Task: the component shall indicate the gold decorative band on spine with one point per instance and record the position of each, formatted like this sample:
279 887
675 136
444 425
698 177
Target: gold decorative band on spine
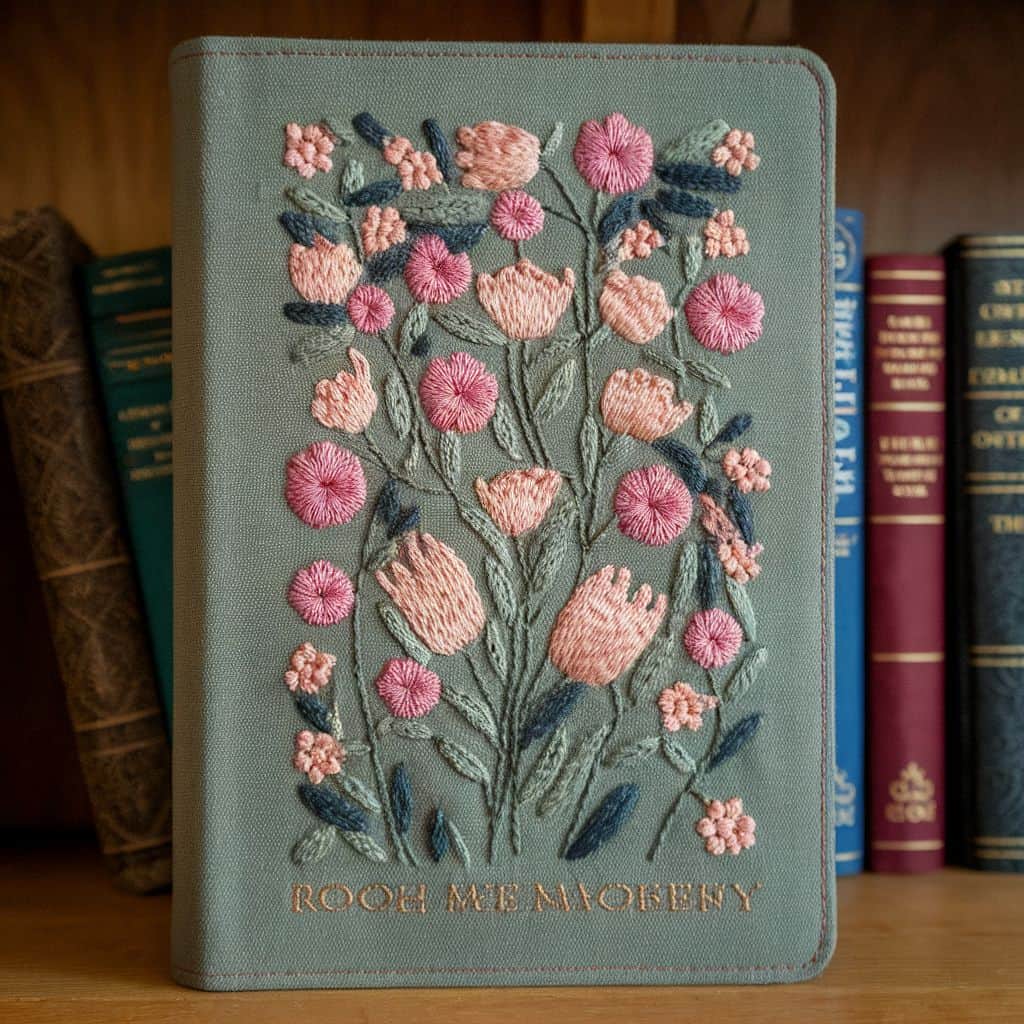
845 858
994 475
848 521
994 489
997 662
990 240
142 844
908 300
77 570
127 748
906 407
991 254
848 286
105 723
910 520
911 845
907 275
997 648
116 287
34 374
998 840
999 854
992 396
909 657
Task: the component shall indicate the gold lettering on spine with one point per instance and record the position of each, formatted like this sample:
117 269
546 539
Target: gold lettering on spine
621 887
505 901
456 901
302 895
325 892
542 898
711 896
412 903
648 897
679 896
366 895
745 896
584 896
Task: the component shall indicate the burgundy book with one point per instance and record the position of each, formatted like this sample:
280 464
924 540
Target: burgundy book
906 428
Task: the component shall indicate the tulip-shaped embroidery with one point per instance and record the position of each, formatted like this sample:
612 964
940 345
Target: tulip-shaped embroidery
434 590
524 301
635 308
642 405
496 156
323 272
347 402
518 499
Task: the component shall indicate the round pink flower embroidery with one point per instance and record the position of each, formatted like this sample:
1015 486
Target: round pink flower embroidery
724 237
322 594
309 670
370 309
712 638
408 688
653 505
747 470
725 314
434 274
318 755
325 485
516 215
726 828
458 393
736 153
306 148
614 155
681 707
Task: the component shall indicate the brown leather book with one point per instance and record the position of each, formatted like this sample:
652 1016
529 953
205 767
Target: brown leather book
69 491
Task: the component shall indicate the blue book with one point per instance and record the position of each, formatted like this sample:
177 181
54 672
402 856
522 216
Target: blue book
849 540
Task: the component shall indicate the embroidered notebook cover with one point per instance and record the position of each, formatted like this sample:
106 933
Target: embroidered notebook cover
502 514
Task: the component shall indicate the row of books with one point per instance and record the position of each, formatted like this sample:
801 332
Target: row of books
929 540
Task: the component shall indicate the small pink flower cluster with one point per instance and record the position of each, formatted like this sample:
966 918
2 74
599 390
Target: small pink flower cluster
737 557
724 237
318 754
736 152
306 148
681 707
309 670
726 829
747 469
637 243
415 169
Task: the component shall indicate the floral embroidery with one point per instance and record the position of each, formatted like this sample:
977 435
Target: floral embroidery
747 470
724 237
415 169
306 148
653 505
614 155
347 402
525 302
323 272
518 499
681 707
726 828
634 307
325 485
318 755
725 314
639 242
381 229
309 670
322 594
409 689
712 638
736 153
496 156
642 405
516 216
458 393
370 309
434 274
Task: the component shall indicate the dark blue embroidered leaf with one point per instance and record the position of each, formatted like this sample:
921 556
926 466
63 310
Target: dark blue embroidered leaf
319 314
401 798
303 226
605 822
388 264
439 147
734 740
374 193
619 216
371 130
421 346
458 237
652 212
438 837
742 513
685 461
709 576
701 177
389 502
408 519
684 204
715 490
551 711
328 806
314 711
736 427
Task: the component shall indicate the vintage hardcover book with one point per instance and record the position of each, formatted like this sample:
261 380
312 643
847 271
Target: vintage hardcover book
851 635
906 551
986 320
128 300
70 496
503 514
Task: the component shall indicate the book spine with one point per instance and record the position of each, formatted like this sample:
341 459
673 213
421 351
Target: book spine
849 541
88 583
987 504
906 555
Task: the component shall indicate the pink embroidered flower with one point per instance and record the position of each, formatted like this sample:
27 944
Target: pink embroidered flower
516 215
600 632
415 169
318 755
496 156
747 470
724 314
325 485
347 402
738 560
322 594
681 707
434 590
381 229
518 499
323 272
370 309
524 301
642 405
736 152
724 237
637 243
653 505
309 670
434 274
458 393
712 638
613 155
635 308
408 688
306 148
726 827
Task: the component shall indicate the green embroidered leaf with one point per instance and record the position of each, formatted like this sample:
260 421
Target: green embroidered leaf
360 792
461 849
450 456
467 206
551 546
407 728
503 590
309 202
467 328
363 843
677 755
554 139
314 844
353 177
630 753
590 442
402 632
553 349
707 420
545 768
475 712
693 258
742 607
384 555
463 761
496 653
396 402
644 680
356 748
557 391
707 373
412 460
321 343
695 147
483 526
503 425
746 675
572 775
334 719
341 130
414 326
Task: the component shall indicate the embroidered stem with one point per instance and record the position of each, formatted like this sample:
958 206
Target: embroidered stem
519 402
666 824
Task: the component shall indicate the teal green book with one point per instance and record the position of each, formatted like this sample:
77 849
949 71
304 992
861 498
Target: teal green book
503 514
128 306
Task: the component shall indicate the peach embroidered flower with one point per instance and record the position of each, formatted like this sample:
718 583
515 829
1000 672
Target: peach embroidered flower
747 470
613 155
496 156
435 591
381 229
724 237
309 670
518 499
637 243
635 308
726 827
516 215
712 638
325 485
435 274
322 594
714 519
724 314
524 301
318 755
306 148
324 272
458 393
600 632
681 707
415 169
370 309
652 505
409 689
642 405
347 402
738 560
736 152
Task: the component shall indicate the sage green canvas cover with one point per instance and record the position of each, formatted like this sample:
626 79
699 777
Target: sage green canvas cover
270 892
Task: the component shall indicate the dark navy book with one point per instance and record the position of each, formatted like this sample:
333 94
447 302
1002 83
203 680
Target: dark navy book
849 541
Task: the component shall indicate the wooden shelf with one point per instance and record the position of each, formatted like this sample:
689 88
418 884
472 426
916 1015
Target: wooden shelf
943 947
